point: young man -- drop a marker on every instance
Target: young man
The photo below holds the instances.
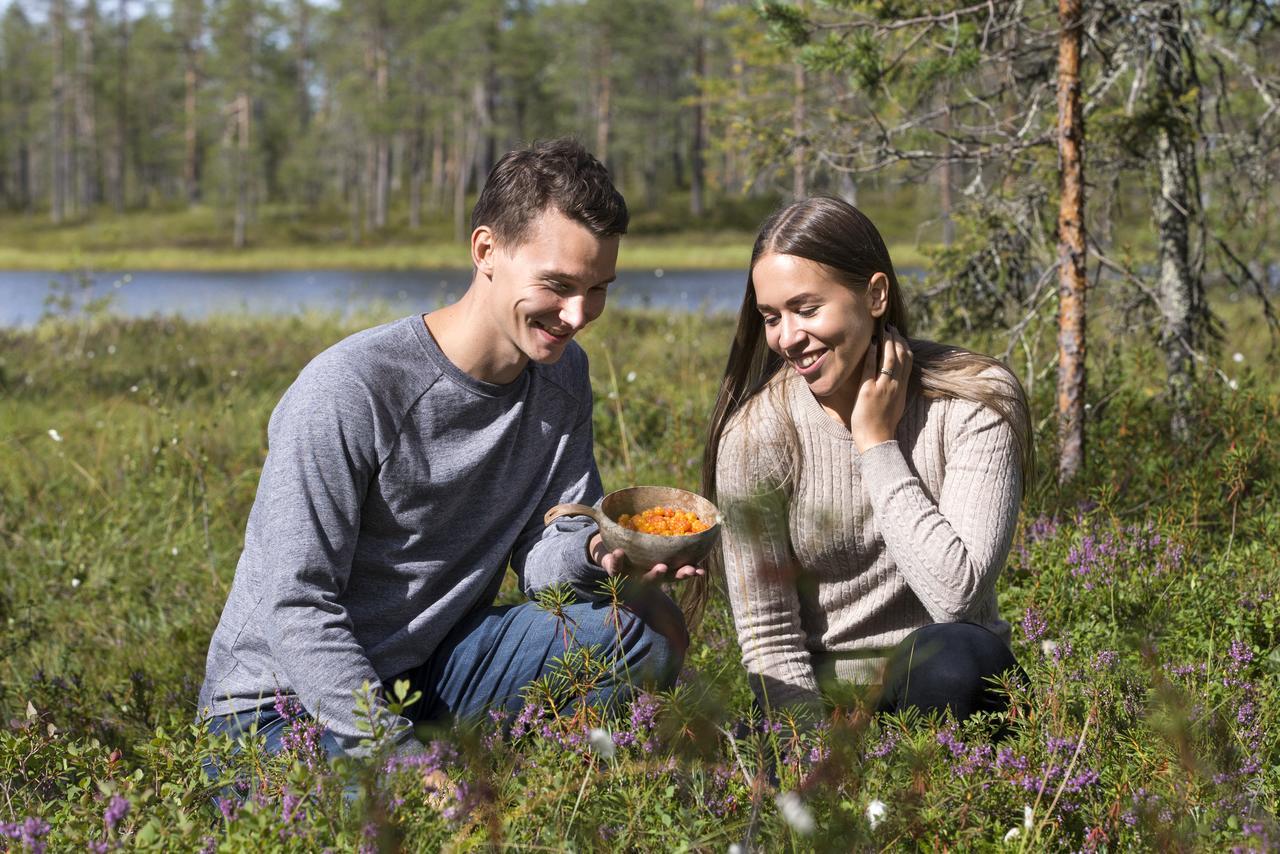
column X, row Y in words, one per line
column 410, row 464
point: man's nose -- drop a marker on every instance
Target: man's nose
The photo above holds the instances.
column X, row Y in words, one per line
column 573, row 312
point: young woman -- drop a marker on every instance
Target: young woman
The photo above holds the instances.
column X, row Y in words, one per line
column 870, row 481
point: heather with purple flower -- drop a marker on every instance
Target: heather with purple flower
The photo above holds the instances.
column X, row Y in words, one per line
column 1141, row 601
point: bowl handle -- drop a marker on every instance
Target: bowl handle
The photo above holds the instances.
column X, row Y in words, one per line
column 570, row 510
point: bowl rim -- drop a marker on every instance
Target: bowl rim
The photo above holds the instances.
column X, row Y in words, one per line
column 657, row 539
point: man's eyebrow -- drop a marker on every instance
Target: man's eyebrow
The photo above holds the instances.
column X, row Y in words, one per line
column 798, row 299
column 555, row 275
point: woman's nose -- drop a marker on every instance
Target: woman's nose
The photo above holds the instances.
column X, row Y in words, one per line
column 791, row 333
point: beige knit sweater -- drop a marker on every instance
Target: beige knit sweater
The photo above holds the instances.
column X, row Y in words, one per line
column 830, row 567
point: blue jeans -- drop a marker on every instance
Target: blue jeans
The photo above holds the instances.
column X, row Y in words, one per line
column 948, row 666
column 487, row 660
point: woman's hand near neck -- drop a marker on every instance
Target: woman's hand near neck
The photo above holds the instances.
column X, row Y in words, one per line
column 881, row 396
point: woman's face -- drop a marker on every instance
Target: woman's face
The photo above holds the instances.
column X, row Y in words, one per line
column 817, row 324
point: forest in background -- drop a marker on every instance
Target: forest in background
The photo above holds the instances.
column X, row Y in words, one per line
column 379, row 117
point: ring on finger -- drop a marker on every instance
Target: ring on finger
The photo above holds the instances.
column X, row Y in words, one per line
column 887, row 373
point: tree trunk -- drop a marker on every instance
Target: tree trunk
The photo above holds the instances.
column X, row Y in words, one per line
column 800, row 152
column 58, row 114
column 417, row 166
column 491, row 83
column 604, row 94
column 87, row 173
column 192, row 36
column 190, row 132
column 382, row 187
column 120, row 154
column 302, row 61
column 368, row 191
column 479, row 124
column 1071, row 246
column 1179, row 288
column 697, row 186
column 243, row 113
column 437, row 166
column 462, row 171
column 945, row 179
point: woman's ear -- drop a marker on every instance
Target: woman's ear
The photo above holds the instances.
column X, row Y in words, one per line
column 482, row 248
column 878, row 294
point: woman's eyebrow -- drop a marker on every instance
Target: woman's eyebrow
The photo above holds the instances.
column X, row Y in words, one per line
column 798, row 299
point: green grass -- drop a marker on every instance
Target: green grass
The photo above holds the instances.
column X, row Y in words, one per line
column 286, row 238
column 118, row 540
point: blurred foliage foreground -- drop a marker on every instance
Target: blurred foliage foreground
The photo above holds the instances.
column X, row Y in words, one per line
column 1143, row 602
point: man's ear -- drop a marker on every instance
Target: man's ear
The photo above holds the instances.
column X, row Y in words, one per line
column 483, row 245
column 878, row 294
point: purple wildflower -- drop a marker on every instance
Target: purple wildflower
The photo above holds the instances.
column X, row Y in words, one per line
column 1061, row 650
column 116, row 810
column 302, row 733
column 947, row 738
column 644, row 712
column 1042, row 528
column 290, row 810
column 1240, row 654
column 1033, row 625
column 887, row 742
column 30, row 833
column 229, row 807
column 462, row 803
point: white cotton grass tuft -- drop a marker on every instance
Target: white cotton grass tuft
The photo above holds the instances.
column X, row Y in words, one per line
column 55, row 435
column 601, row 742
column 876, row 811
column 1028, row 822
column 1237, row 357
column 735, row 848
column 795, row 813
column 75, row 582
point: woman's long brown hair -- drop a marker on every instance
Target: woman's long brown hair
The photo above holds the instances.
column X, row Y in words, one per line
column 834, row 233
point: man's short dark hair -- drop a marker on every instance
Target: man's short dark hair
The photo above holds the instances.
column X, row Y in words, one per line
column 556, row 173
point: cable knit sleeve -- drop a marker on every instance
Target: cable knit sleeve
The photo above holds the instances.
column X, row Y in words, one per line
column 760, row 568
column 951, row 552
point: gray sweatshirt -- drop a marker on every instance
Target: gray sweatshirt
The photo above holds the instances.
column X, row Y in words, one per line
column 395, row 492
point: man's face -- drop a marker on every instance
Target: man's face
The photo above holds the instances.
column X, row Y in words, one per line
column 549, row 287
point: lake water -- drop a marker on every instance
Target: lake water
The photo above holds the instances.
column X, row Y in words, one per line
column 200, row 295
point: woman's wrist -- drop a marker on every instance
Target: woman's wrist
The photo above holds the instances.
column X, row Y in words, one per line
column 866, row 441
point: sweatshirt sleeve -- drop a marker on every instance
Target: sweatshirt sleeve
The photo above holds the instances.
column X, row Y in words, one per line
column 321, row 459
column 761, row 572
column 950, row 552
column 557, row 553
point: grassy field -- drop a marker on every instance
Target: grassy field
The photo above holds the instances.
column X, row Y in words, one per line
column 1143, row 600
column 287, row 238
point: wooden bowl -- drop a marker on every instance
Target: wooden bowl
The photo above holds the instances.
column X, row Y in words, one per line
column 644, row 550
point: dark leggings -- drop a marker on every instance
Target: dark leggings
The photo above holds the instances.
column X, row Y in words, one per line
column 947, row 666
